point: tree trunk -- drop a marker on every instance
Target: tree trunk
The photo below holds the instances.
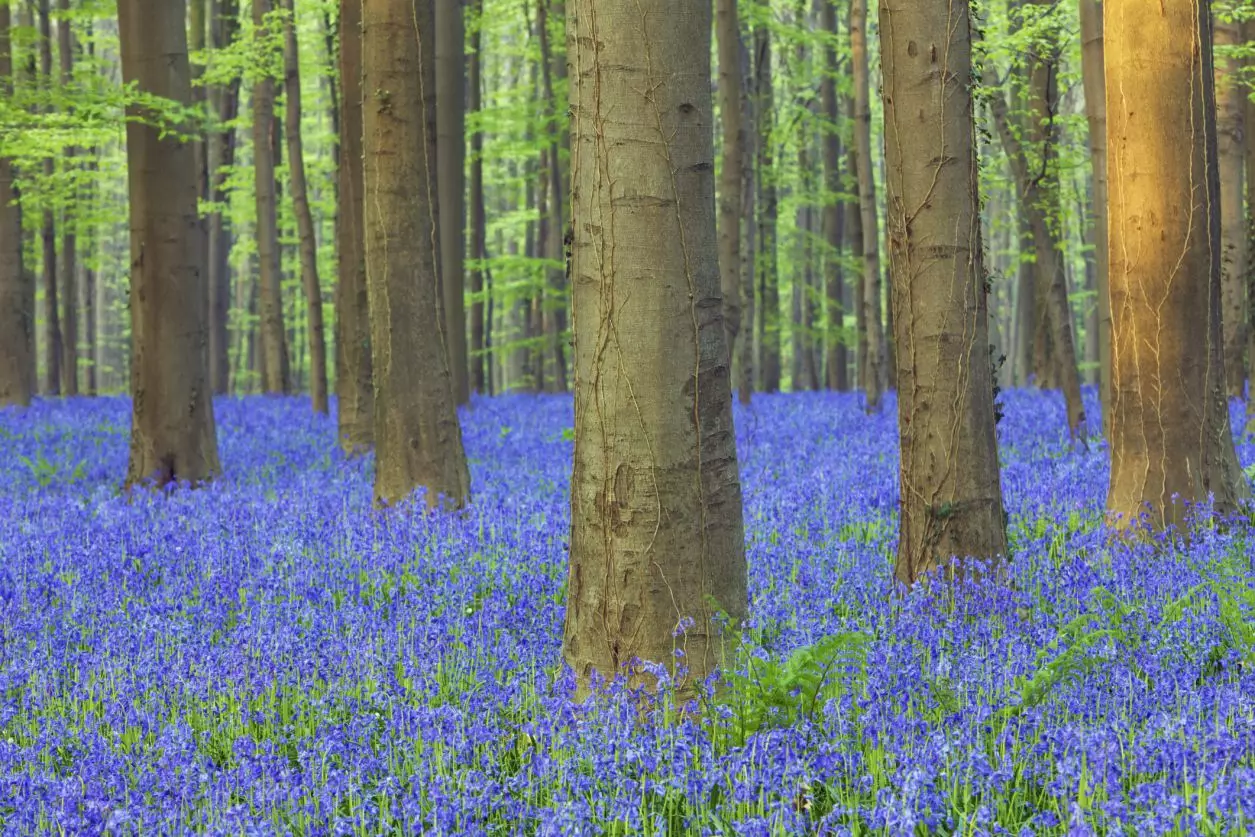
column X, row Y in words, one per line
column 1230, row 115
column 1170, row 439
column 418, row 443
column 304, row 219
column 728, row 38
column 834, row 207
column 1248, row 35
column 450, row 89
column 768, row 262
column 220, row 152
column 354, row 388
column 17, row 320
column 1096, row 113
column 749, row 245
column 172, row 417
column 876, row 374
column 854, row 232
column 951, row 495
column 481, row 377
column 657, row 540
column 276, row 372
column 69, row 253
column 53, row 347
column 554, row 310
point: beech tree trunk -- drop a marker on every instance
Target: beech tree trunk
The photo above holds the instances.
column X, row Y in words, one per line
column 951, row 496
column 554, row 308
column 768, row 267
column 837, row 361
column 53, row 344
column 355, row 392
column 17, row 316
column 220, row 150
column 1096, row 113
column 481, row 377
column 1230, row 115
column 728, row 42
column 275, row 369
column 69, row 248
column 876, row 376
column 308, row 247
column 450, row 42
column 749, row 244
column 172, row 418
column 1171, row 444
column 1248, row 34
column 418, row 442
column 657, row 540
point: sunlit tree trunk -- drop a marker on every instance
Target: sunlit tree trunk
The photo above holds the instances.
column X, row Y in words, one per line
column 1230, row 115
column 17, row 318
column 728, row 31
column 68, row 264
column 951, row 495
column 172, row 418
column 1096, row 113
column 304, row 218
column 875, row 380
column 354, row 386
column 418, row 443
column 768, row 268
column 276, row 372
column 837, row 361
column 1248, row 35
column 657, row 542
column 451, row 184
column 1170, row 438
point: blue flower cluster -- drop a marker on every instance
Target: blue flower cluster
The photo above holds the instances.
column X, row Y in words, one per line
column 269, row 655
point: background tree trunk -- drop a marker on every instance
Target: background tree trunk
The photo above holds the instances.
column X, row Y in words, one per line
column 418, row 442
column 768, row 268
column 481, row 377
column 17, row 317
column 728, row 37
column 354, row 384
column 834, row 207
column 875, row 380
column 749, row 244
column 304, row 219
column 554, row 309
column 1096, row 114
column 69, row 248
column 1170, row 439
column 657, row 541
column 172, row 418
column 220, row 149
column 450, row 42
column 53, row 348
column 951, row 495
column 276, row 373
column 1230, row 114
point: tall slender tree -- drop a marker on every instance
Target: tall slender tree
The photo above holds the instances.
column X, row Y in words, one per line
column 68, row 263
column 354, row 386
column 308, row 246
column 451, row 183
column 728, row 32
column 1096, row 114
column 220, row 145
column 951, row 496
column 172, row 419
column 17, row 339
column 836, row 362
column 767, row 261
column 481, row 377
column 876, row 377
column 418, row 442
column 657, row 542
column 1171, row 443
column 53, row 348
column 275, row 367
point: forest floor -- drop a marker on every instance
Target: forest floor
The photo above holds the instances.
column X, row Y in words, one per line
column 269, row 655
